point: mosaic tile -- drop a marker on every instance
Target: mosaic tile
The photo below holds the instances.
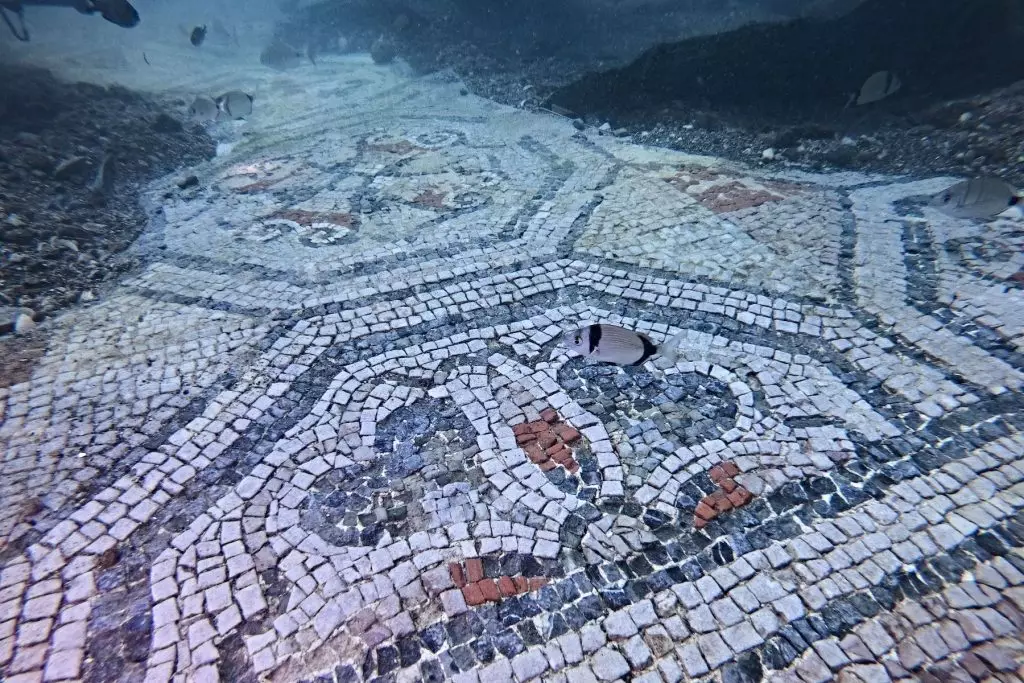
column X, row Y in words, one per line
column 327, row 432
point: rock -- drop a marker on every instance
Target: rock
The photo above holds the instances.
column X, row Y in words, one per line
column 578, row 124
column 24, row 323
column 604, row 128
column 70, row 167
column 187, row 182
column 463, row 92
column 86, row 296
column 621, row 133
column 165, row 123
column 383, row 51
column 768, row 154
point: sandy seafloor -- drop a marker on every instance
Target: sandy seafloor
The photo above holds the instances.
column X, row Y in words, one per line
column 324, row 432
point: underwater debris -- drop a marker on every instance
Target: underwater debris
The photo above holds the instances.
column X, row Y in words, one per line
column 104, row 181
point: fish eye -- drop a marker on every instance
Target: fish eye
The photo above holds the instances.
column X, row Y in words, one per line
column 946, row 198
column 579, row 338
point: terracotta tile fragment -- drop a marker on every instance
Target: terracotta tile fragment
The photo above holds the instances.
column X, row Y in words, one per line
column 567, row 433
column 704, row 511
column 526, row 438
column 572, row 467
column 534, row 453
column 699, row 523
column 719, row 501
column 562, row 457
column 731, row 470
column 717, row 473
column 457, row 575
column 506, row 586
column 549, row 415
column 537, row 582
column 538, row 427
column 740, row 496
column 546, row 440
column 521, row 428
column 557, row 449
column 727, row 485
column 522, row 585
column 474, row 597
column 474, row 569
column 490, row 590
column 547, row 465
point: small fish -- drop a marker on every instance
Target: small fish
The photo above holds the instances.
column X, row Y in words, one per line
column 610, row 344
column 204, row 108
column 236, row 104
column 878, row 86
column 280, row 55
column 978, row 198
column 198, row 35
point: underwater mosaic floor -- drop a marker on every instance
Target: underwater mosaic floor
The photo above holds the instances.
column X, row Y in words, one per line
column 327, row 433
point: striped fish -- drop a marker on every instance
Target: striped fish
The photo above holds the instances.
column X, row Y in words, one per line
column 978, row 198
column 610, row 344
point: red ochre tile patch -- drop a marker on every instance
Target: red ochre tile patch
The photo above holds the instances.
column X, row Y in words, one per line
column 728, row 496
column 477, row 589
column 547, row 441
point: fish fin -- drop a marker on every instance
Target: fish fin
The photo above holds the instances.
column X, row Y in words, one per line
column 650, row 348
column 670, row 349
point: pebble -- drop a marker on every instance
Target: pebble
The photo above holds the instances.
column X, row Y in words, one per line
column 24, row 324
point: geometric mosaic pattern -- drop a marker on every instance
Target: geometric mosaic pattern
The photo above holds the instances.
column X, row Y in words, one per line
column 327, row 433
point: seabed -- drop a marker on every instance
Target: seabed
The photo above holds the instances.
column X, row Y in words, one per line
column 326, row 433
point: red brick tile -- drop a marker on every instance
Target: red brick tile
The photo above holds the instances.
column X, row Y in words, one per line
column 547, row 440
column 549, row 415
column 474, row 569
column 716, row 473
column 573, row 467
column 539, row 426
column 699, row 523
column 721, row 502
column 506, row 586
column 537, row 582
column 727, row 485
column 740, row 496
column 490, row 590
column 705, row 511
column 730, row 468
column 457, row 574
column 534, row 453
column 521, row 428
column 568, row 434
column 524, row 439
column 474, row 597
column 562, row 457
column 547, row 465
column 522, row 585
column 557, row 451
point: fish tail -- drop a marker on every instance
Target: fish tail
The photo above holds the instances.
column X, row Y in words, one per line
column 670, row 349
